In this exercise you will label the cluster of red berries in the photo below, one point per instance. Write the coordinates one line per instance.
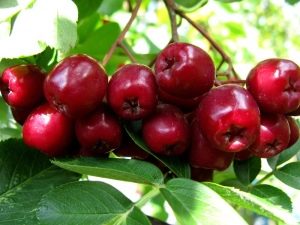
(181, 111)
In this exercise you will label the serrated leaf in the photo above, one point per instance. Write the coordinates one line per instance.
(175, 164)
(273, 195)
(247, 170)
(253, 203)
(289, 174)
(90, 203)
(51, 23)
(120, 169)
(193, 204)
(284, 156)
(25, 176)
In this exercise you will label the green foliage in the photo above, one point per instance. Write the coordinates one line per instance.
(55, 27)
(253, 203)
(273, 195)
(247, 170)
(97, 203)
(119, 169)
(191, 200)
(26, 176)
(289, 174)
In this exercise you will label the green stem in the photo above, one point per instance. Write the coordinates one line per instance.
(264, 178)
(144, 199)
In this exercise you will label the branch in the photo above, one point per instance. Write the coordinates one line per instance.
(127, 52)
(170, 5)
(225, 57)
(122, 34)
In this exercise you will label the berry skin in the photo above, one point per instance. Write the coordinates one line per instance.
(243, 155)
(229, 118)
(166, 131)
(274, 136)
(295, 133)
(203, 155)
(185, 104)
(76, 86)
(184, 70)
(49, 131)
(99, 131)
(275, 85)
(20, 114)
(132, 92)
(22, 86)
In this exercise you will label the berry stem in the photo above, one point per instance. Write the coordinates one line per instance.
(144, 199)
(264, 178)
(170, 5)
(122, 34)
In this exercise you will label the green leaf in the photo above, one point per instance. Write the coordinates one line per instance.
(175, 164)
(191, 4)
(247, 170)
(292, 2)
(108, 7)
(273, 195)
(25, 176)
(228, 1)
(284, 156)
(194, 203)
(87, 7)
(90, 203)
(289, 174)
(120, 169)
(7, 133)
(8, 8)
(51, 23)
(253, 203)
(98, 43)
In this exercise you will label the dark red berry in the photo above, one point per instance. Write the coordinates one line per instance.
(132, 92)
(229, 118)
(76, 86)
(166, 132)
(184, 70)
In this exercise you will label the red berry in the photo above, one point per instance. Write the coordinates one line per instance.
(132, 92)
(22, 86)
(76, 86)
(275, 85)
(243, 155)
(273, 138)
(166, 131)
(203, 155)
(185, 104)
(295, 133)
(48, 130)
(229, 118)
(21, 114)
(99, 131)
(184, 70)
